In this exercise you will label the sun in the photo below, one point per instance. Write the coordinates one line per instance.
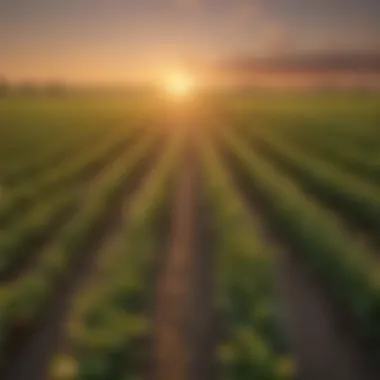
(179, 84)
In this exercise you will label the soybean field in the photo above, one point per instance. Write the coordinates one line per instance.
(232, 237)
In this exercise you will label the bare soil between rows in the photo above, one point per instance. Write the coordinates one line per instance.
(322, 337)
(30, 349)
(23, 262)
(184, 317)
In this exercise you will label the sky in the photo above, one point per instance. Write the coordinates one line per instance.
(125, 40)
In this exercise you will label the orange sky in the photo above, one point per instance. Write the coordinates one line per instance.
(118, 40)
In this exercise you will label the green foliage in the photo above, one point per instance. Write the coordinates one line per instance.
(108, 325)
(350, 271)
(253, 343)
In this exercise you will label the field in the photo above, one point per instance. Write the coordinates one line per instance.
(230, 237)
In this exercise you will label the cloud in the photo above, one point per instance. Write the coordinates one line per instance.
(187, 4)
(276, 38)
(248, 10)
(322, 61)
(243, 13)
(264, 33)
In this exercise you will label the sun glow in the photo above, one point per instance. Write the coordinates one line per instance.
(179, 84)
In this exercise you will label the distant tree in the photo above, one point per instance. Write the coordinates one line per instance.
(4, 87)
(55, 88)
(27, 88)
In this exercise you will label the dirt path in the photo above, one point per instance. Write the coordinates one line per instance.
(171, 349)
(323, 342)
(182, 342)
(31, 354)
(204, 318)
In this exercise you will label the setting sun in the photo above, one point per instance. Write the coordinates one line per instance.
(179, 84)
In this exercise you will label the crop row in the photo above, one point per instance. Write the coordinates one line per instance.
(22, 301)
(354, 198)
(359, 162)
(340, 261)
(109, 325)
(252, 345)
(49, 210)
(23, 167)
(59, 179)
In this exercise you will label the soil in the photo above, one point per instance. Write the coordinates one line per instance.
(29, 352)
(184, 336)
(322, 337)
